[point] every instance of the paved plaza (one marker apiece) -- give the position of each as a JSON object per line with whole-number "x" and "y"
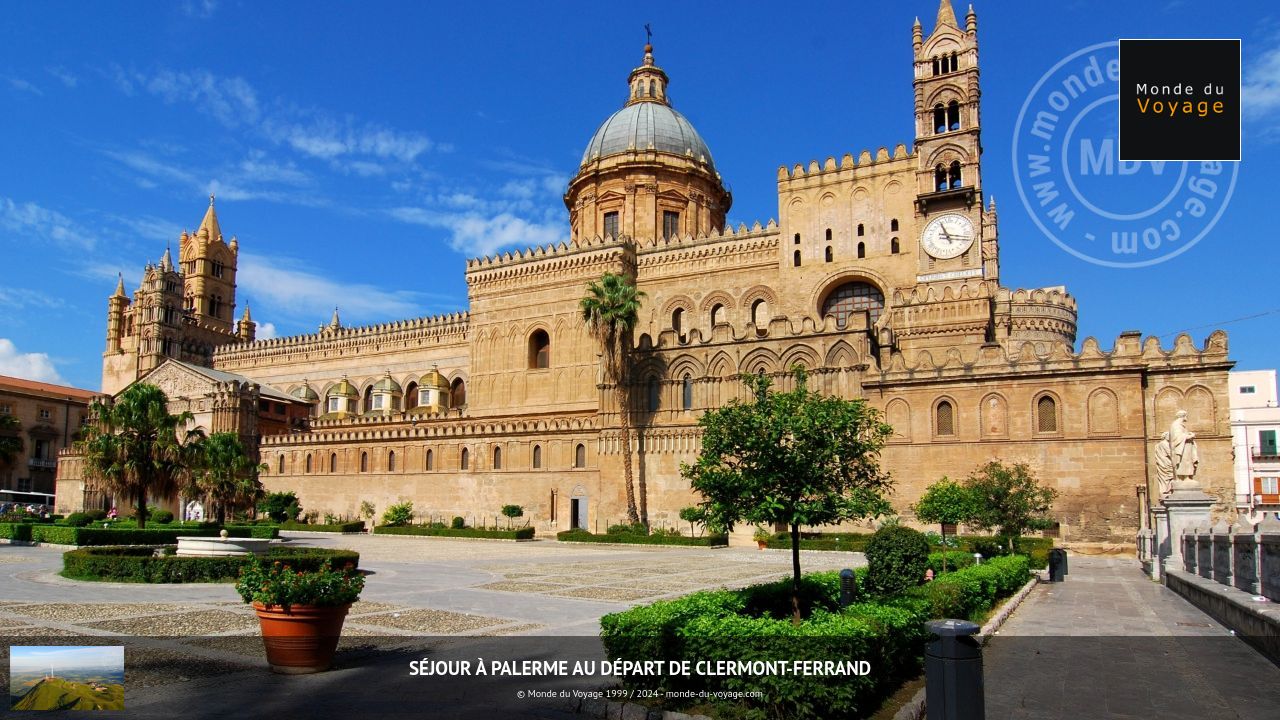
{"x": 1107, "y": 643}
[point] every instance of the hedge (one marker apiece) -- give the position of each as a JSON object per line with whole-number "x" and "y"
{"x": 754, "y": 624}
{"x": 638, "y": 539}
{"x": 354, "y": 526}
{"x": 16, "y": 531}
{"x": 524, "y": 533}
{"x": 970, "y": 592}
{"x": 1036, "y": 548}
{"x": 141, "y": 564}
{"x": 83, "y": 536}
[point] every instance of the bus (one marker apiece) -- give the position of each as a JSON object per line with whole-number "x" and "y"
{"x": 43, "y": 502}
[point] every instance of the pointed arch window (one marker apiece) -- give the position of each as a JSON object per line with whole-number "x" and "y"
{"x": 677, "y": 320}
{"x": 368, "y": 399}
{"x": 539, "y": 350}
{"x": 894, "y": 247}
{"x": 429, "y": 461}
{"x": 465, "y": 461}
{"x": 1046, "y": 414}
{"x": 760, "y": 313}
{"x": 829, "y": 255}
{"x": 953, "y": 175}
{"x": 936, "y": 66}
{"x": 944, "y": 419}
{"x": 458, "y": 393}
{"x": 497, "y": 458}
{"x": 797, "y": 239}
{"x": 686, "y": 392}
{"x": 537, "y": 457}
{"x": 862, "y": 250}
{"x": 893, "y": 225}
{"x": 940, "y": 178}
{"x": 828, "y": 234}
{"x": 853, "y": 297}
{"x": 411, "y": 396}
{"x": 718, "y": 315}
{"x": 861, "y": 230}
{"x": 654, "y": 393}
{"x": 939, "y": 119}
{"x": 795, "y": 259}
{"x": 580, "y": 456}
{"x": 333, "y": 462}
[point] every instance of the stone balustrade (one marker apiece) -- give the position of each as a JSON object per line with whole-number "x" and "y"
{"x": 1244, "y": 556}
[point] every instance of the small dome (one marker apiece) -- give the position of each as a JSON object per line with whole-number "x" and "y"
{"x": 386, "y": 384}
{"x": 344, "y": 389}
{"x": 648, "y": 125}
{"x": 306, "y": 393}
{"x": 434, "y": 379}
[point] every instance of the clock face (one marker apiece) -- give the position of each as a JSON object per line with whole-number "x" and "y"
{"x": 947, "y": 236}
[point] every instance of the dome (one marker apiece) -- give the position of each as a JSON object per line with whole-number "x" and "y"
{"x": 644, "y": 126}
{"x": 344, "y": 389}
{"x": 306, "y": 393}
{"x": 434, "y": 379}
{"x": 387, "y": 385}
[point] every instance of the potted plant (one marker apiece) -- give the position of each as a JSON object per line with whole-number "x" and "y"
{"x": 762, "y": 537}
{"x": 300, "y": 612}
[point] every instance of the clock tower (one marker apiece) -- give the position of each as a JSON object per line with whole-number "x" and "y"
{"x": 956, "y": 238}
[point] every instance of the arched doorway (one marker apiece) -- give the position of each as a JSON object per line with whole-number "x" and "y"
{"x": 578, "y": 509}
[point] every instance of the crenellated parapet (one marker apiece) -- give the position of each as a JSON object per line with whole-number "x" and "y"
{"x": 847, "y": 169}
{"x": 436, "y": 426}
{"x": 993, "y": 360}
{"x": 728, "y": 248}
{"x": 1040, "y": 315}
{"x": 545, "y": 263}
{"x": 448, "y": 328}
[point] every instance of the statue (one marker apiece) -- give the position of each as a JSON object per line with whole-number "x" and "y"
{"x": 195, "y": 511}
{"x": 1164, "y": 466}
{"x": 1182, "y": 448}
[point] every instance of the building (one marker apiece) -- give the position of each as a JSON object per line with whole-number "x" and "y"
{"x": 881, "y": 275}
{"x": 1255, "y": 424}
{"x": 48, "y": 419}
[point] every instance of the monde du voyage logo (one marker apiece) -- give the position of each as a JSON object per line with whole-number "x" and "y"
{"x": 1124, "y": 152}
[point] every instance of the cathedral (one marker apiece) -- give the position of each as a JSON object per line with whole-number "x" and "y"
{"x": 881, "y": 276}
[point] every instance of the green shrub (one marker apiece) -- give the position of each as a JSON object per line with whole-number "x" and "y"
{"x": 436, "y": 530}
{"x": 353, "y": 526}
{"x": 636, "y": 539}
{"x": 956, "y": 559}
{"x": 458, "y": 523}
{"x": 970, "y": 592}
{"x": 96, "y": 515}
{"x": 164, "y": 517}
{"x": 16, "y": 531}
{"x": 628, "y": 529}
{"x": 897, "y": 557}
{"x": 280, "y": 506}
{"x": 842, "y": 542}
{"x": 77, "y": 520}
{"x": 142, "y": 564}
{"x": 62, "y": 535}
{"x": 398, "y": 514}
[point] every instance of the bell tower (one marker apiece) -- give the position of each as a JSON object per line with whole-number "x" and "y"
{"x": 949, "y": 148}
{"x": 209, "y": 273}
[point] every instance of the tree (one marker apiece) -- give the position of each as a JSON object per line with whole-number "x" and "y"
{"x": 227, "y": 474}
{"x": 946, "y": 502}
{"x": 280, "y": 506}
{"x": 10, "y": 440}
{"x": 136, "y": 448}
{"x": 611, "y": 310}
{"x": 795, "y": 458}
{"x": 1009, "y": 498}
{"x": 511, "y": 512}
{"x": 694, "y": 516}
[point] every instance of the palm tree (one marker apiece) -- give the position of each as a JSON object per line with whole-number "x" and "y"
{"x": 133, "y": 446}
{"x": 611, "y": 310}
{"x": 10, "y": 440}
{"x": 227, "y": 474}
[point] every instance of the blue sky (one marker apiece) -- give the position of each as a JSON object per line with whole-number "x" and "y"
{"x": 34, "y": 658}
{"x": 361, "y": 156}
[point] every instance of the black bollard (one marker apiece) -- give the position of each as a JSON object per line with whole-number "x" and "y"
{"x": 848, "y": 587}
{"x": 1057, "y": 565}
{"x": 953, "y": 671}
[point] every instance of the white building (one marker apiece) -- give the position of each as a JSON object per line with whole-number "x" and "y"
{"x": 1255, "y": 425}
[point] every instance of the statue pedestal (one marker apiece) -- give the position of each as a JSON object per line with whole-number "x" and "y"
{"x": 1186, "y": 507}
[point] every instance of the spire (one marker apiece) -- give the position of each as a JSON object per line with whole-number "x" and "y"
{"x": 234, "y": 244}
{"x": 335, "y": 323}
{"x": 946, "y": 16}
{"x": 648, "y": 82}
{"x": 971, "y": 21}
{"x": 209, "y": 225}
{"x": 917, "y": 34}
{"x": 166, "y": 262}
{"x": 119, "y": 286}
{"x": 246, "y": 317}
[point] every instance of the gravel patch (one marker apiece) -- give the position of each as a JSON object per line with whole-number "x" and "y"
{"x": 151, "y": 666}
{"x": 81, "y": 612}
{"x": 40, "y": 632}
{"x": 363, "y": 607}
{"x": 432, "y": 622}
{"x": 200, "y": 622}
{"x": 607, "y": 593}
{"x": 513, "y": 630}
{"x": 522, "y": 587}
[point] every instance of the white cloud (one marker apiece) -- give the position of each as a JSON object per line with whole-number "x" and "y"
{"x": 24, "y": 85}
{"x": 328, "y": 139}
{"x": 63, "y": 75}
{"x": 149, "y": 227}
{"x": 14, "y": 299}
{"x": 27, "y": 221}
{"x": 266, "y": 331}
{"x": 250, "y": 179}
{"x": 30, "y": 366}
{"x": 1260, "y": 94}
{"x": 287, "y": 286}
{"x": 231, "y": 101}
{"x": 201, "y": 9}
{"x": 475, "y": 234}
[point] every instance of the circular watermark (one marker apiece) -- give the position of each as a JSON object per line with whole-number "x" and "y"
{"x": 1082, "y": 196}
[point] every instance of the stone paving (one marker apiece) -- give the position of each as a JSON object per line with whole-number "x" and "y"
{"x": 1109, "y": 643}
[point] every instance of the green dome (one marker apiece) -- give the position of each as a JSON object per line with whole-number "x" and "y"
{"x": 344, "y": 389}
{"x": 306, "y": 393}
{"x": 386, "y": 384}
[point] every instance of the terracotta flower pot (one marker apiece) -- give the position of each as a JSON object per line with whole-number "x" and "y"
{"x": 763, "y": 544}
{"x": 302, "y": 640}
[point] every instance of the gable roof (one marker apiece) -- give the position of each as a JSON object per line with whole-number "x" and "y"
{"x": 48, "y": 389}
{"x": 264, "y": 390}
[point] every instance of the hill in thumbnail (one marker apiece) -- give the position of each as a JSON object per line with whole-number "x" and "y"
{"x": 55, "y": 693}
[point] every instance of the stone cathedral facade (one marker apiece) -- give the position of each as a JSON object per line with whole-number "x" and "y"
{"x": 881, "y": 276}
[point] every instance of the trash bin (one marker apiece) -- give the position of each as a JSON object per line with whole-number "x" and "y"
{"x": 953, "y": 671}
{"x": 1057, "y": 565}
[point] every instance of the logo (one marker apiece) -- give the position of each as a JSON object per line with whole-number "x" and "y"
{"x": 1082, "y": 196}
